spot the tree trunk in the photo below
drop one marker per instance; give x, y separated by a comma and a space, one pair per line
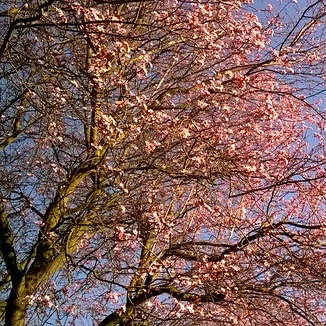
16, 305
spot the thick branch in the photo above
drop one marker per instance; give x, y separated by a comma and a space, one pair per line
50, 256
7, 245
16, 130
190, 297
115, 319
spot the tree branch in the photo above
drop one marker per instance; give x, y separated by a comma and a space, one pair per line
41, 8
7, 246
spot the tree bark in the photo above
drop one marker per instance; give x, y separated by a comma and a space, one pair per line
16, 305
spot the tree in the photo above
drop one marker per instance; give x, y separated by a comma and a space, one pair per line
162, 163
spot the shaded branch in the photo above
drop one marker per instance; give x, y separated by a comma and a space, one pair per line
284, 181
176, 250
41, 9
115, 319
16, 131
7, 246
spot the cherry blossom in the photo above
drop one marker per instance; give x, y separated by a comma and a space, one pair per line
162, 163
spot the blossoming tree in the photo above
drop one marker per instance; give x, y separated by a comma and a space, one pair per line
162, 163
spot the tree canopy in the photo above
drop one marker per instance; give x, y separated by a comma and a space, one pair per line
162, 162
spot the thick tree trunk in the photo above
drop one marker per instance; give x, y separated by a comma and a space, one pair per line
16, 306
